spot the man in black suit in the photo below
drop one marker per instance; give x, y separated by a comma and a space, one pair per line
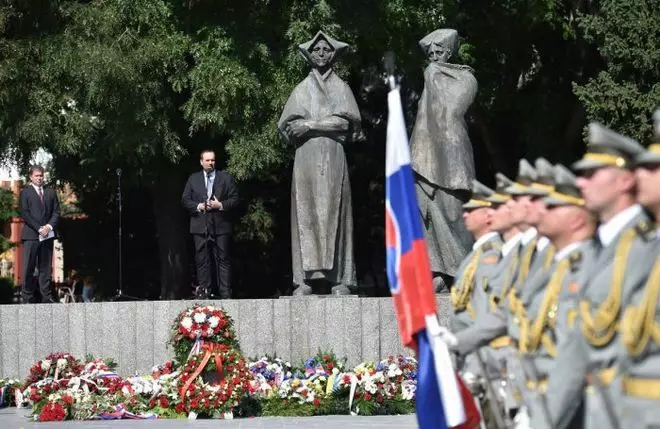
209, 196
40, 211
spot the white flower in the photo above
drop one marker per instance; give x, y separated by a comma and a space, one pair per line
199, 317
408, 389
187, 322
45, 365
393, 370
213, 321
370, 385
61, 364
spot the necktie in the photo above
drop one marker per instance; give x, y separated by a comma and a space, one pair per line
41, 195
209, 185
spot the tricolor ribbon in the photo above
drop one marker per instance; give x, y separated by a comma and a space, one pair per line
209, 349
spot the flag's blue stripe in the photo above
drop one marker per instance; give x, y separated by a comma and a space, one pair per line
428, 402
400, 192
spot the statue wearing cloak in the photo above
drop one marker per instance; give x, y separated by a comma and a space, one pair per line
321, 211
441, 154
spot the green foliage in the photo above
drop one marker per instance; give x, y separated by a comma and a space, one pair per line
7, 212
145, 84
625, 94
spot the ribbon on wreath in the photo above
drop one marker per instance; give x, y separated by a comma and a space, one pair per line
209, 350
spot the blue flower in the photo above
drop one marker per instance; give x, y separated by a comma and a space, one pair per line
310, 363
413, 375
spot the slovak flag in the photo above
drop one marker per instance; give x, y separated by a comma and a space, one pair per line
440, 394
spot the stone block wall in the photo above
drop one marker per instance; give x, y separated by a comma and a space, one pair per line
135, 334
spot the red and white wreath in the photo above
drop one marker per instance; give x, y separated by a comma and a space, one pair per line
221, 396
204, 322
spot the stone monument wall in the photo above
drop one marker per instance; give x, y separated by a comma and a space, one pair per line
135, 334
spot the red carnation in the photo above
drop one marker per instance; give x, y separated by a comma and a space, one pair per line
379, 398
317, 402
367, 396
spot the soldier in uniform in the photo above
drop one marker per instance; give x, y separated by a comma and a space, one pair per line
549, 310
639, 363
536, 254
608, 187
485, 250
502, 320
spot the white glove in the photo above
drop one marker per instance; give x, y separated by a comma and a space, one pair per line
469, 378
522, 421
447, 337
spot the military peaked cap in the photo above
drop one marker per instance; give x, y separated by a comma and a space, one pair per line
607, 148
480, 193
500, 196
566, 191
526, 176
545, 179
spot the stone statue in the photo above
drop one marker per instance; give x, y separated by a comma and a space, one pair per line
442, 154
320, 116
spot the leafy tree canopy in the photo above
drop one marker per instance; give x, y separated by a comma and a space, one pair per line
144, 85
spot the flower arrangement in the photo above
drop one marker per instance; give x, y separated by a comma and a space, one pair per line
271, 386
165, 369
213, 380
56, 365
201, 324
220, 395
384, 388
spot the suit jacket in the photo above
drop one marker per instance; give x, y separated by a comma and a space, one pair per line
36, 214
224, 190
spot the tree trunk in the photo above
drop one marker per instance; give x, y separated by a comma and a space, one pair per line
172, 230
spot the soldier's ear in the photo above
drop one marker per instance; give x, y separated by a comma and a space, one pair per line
627, 180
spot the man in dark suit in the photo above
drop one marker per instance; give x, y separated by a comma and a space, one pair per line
40, 211
209, 196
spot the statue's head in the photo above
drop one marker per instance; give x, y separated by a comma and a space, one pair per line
440, 45
322, 50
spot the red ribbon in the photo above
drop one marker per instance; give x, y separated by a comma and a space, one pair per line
210, 349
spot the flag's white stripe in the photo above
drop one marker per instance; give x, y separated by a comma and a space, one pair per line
447, 383
397, 151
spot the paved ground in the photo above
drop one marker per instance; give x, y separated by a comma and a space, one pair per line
11, 418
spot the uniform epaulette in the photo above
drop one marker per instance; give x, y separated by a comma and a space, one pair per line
575, 259
491, 245
493, 257
646, 229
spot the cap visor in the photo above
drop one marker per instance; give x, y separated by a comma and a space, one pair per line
468, 206
647, 158
587, 164
554, 202
537, 192
497, 200
513, 190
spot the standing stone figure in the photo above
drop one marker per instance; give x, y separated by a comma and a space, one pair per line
442, 154
320, 116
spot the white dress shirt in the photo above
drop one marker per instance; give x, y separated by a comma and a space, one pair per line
610, 229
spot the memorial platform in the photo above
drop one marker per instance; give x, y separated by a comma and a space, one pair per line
135, 334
